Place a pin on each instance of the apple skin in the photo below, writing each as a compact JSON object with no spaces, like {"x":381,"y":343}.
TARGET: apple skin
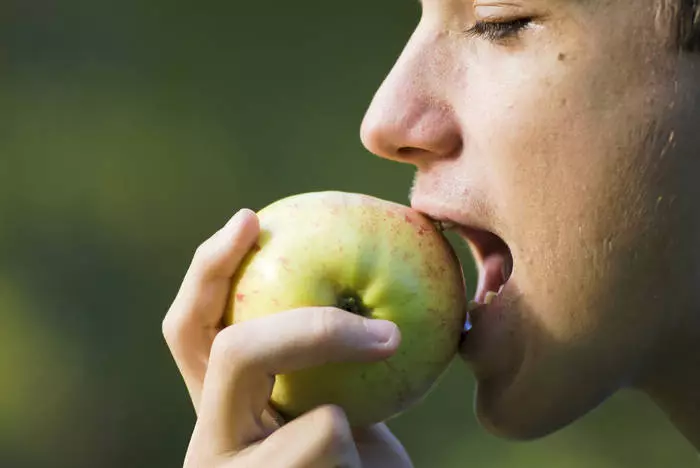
{"x":318,"y":249}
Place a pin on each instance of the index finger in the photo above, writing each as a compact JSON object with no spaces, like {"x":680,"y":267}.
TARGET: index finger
{"x":195,"y":316}
{"x":247,"y":356}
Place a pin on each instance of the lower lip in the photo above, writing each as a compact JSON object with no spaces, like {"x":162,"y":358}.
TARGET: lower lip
{"x":482,"y":327}
{"x":483,"y":323}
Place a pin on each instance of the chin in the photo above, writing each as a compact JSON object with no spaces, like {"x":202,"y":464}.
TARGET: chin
{"x":524,"y":414}
{"x":530,"y":383}
{"x":528,"y":388}
{"x":510,"y":420}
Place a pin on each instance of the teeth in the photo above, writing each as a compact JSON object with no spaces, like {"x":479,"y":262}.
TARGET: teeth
{"x":472,"y":305}
{"x":488,"y":299}
{"x":490,"y":296}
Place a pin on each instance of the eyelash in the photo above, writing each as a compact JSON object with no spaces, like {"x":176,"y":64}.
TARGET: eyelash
{"x":498,"y":31}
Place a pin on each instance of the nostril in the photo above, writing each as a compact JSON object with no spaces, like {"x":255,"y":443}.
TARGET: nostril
{"x":407,"y":151}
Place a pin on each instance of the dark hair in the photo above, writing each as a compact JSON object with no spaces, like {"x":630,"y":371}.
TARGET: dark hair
{"x":689,"y":27}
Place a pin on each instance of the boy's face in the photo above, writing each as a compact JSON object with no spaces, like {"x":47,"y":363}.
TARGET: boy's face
{"x":561,"y":146}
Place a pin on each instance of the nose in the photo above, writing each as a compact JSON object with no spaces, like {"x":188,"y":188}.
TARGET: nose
{"x":410,"y":118}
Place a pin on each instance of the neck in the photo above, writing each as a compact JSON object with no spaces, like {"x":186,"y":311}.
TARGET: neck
{"x":672,"y":380}
{"x":681,"y":402}
{"x":675,"y":384}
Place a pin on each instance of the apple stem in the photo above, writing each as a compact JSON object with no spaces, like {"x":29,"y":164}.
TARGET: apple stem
{"x":352,"y":304}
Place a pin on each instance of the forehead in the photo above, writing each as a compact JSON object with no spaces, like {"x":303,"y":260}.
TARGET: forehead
{"x":536,"y":3}
{"x":663,"y":14}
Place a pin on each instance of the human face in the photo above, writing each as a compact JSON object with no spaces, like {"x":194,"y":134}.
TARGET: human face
{"x":559,"y":146}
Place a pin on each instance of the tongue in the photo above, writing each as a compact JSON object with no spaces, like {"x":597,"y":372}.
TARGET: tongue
{"x":490,"y":276}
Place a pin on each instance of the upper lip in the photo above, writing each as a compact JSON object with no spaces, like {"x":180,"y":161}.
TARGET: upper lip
{"x":466,"y":220}
{"x":483,"y":238}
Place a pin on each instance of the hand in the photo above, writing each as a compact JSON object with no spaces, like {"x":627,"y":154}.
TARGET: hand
{"x":229,"y":372}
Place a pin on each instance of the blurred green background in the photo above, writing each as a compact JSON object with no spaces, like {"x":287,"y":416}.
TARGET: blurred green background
{"x":130,"y":131}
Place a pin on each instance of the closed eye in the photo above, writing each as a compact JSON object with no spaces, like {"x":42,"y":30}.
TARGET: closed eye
{"x":498,"y":31}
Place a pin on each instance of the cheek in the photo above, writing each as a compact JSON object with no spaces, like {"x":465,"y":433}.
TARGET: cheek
{"x":568,"y":168}
{"x":561,"y":147}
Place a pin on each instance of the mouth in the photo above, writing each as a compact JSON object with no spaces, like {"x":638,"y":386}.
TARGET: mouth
{"x":493,"y":258}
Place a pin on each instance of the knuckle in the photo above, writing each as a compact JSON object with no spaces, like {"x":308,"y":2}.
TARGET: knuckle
{"x":335,"y":430}
{"x":229,"y":347}
{"x":171,"y":329}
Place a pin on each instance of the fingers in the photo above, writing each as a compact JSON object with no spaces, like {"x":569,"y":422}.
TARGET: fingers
{"x":245,"y":357}
{"x":195,"y":316}
{"x":377,"y":446}
{"x":319,"y":439}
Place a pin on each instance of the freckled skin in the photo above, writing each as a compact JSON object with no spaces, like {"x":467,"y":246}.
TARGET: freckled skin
{"x":315,"y":250}
{"x":577,"y":143}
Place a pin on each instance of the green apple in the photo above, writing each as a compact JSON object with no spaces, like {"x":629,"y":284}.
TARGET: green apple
{"x":370,"y":257}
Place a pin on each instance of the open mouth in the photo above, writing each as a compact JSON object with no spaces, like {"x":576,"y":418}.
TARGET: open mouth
{"x":493,"y":259}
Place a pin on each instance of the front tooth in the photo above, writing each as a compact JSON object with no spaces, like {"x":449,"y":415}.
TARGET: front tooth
{"x":472,"y":305}
{"x":490,"y":296}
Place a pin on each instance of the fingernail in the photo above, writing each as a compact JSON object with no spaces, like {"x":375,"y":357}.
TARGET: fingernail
{"x":382,"y":330}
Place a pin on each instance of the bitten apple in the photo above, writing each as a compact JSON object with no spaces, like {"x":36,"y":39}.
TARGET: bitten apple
{"x":370,"y":257}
